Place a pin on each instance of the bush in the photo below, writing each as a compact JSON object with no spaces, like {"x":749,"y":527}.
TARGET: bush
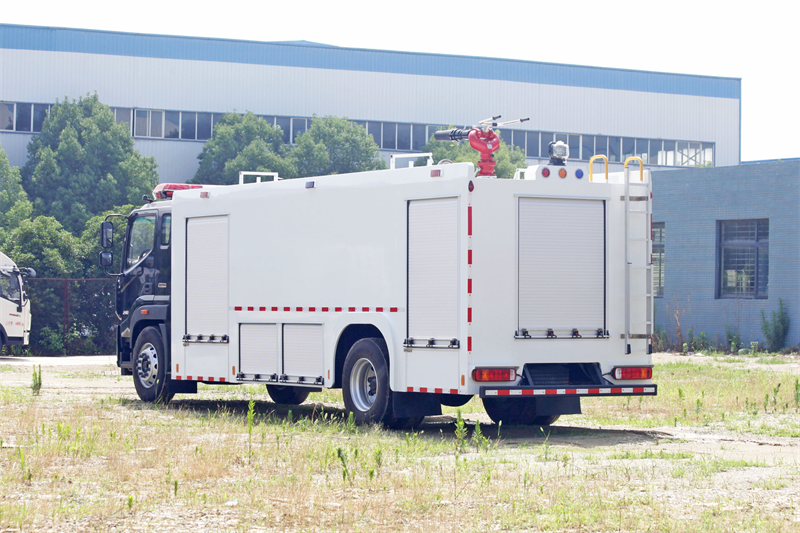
{"x":775,"y":330}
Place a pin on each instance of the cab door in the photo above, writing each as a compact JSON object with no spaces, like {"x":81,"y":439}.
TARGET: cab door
{"x":138,"y":264}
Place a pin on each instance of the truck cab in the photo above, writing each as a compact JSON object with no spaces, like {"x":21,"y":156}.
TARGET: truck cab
{"x":15,"y":307}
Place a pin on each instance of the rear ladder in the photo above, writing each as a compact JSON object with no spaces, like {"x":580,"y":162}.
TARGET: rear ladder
{"x":638,"y":257}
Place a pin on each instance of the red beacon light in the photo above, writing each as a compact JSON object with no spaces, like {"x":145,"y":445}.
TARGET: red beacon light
{"x":164,"y":191}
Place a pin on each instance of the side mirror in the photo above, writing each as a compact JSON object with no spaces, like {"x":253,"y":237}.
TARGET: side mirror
{"x":31,"y":273}
{"x":106,"y":258}
{"x":106,"y":235}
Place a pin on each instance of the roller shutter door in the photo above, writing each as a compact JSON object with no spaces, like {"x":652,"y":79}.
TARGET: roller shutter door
{"x":207,"y":276}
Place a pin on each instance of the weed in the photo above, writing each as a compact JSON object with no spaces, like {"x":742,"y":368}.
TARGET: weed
{"x":130,"y":502}
{"x":797,"y":393}
{"x":478,"y":439}
{"x":27,"y":475}
{"x":36,"y":383}
{"x":775,"y":330}
{"x":250,"y":415}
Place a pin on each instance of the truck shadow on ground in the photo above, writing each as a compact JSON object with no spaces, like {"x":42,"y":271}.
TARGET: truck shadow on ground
{"x":433,"y":427}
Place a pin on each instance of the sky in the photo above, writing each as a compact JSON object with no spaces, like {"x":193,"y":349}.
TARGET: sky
{"x":757,"y":41}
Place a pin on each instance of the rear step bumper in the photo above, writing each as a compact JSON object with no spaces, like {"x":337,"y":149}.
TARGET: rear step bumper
{"x":635,"y":390}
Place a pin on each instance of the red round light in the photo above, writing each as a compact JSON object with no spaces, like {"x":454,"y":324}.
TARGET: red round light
{"x":546,"y":172}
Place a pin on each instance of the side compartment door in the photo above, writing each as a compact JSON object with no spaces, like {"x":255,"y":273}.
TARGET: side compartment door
{"x":206,"y":334}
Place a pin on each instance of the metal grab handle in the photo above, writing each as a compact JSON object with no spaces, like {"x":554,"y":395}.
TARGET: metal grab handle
{"x":591,"y":165}
{"x":641,"y":166}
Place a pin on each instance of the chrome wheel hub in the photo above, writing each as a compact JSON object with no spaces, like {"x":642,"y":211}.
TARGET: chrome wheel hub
{"x":363,"y":385}
{"x":147,"y":365}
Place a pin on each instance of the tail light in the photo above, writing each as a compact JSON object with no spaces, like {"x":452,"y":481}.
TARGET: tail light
{"x":633,"y":372}
{"x":494,"y":374}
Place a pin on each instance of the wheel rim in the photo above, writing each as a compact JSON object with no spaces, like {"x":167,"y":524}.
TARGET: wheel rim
{"x":147,"y":365}
{"x":363,"y":385}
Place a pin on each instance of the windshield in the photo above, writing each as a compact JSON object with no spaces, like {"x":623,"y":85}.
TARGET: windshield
{"x":141,"y":239}
{"x":9,"y":286}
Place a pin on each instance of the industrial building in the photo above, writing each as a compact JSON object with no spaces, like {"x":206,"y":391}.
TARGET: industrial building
{"x":170,"y":90}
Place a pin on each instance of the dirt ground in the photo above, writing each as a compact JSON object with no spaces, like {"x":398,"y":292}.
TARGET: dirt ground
{"x":63,"y":377}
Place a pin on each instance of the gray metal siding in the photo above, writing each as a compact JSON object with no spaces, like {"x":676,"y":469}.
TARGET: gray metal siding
{"x":690,"y":202}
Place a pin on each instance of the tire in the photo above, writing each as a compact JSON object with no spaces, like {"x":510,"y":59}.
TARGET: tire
{"x":516,"y":412}
{"x":365,"y":384}
{"x":455,"y":400}
{"x":150,"y":367}
{"x":287,"y":395}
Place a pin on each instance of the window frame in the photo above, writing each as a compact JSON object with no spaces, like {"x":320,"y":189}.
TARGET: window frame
{"x":658,"y":247}
{"x":739,"y":243}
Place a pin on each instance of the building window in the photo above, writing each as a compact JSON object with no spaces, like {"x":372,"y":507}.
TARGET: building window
{"x":743,"y":258}
{"x":658,"y":259}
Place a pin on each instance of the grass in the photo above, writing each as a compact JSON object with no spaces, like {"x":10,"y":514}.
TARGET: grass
{"x":229,"y":459}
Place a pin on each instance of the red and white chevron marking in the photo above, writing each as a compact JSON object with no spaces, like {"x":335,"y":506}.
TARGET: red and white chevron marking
{"x":432,"y":390}
{"x":199,"y":378}
{"x":570,"y":392}
{"x":314,"y":309}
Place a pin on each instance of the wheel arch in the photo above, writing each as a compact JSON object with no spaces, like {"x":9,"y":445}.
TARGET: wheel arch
{"x":140,"y":325}
{"x":347,"y":338}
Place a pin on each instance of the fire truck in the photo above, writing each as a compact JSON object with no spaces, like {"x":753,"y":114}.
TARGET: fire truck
{"x":408,"y":288}
{"x":15,"y":308}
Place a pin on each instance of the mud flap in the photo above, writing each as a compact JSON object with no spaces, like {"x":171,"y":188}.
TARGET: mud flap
{"x":558,"y":406}
{"x":408,"y":404}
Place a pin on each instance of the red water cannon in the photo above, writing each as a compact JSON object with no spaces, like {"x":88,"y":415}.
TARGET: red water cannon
{"x":481,"y":138}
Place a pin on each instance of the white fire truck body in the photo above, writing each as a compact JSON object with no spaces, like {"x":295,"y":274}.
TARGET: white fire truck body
{"x":15,"y":308}
{"x":535,"y":287}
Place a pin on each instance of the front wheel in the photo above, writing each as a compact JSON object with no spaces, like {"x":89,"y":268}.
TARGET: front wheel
{"x":150,"y":367}
{"x":516,"y":411}
{"x":287,"y":395}
{"x":365,"y":385}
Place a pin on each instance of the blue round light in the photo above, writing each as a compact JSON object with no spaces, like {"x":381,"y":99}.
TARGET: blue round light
{"x":579,"y":173}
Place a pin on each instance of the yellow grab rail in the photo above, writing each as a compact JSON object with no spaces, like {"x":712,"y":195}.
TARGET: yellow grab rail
{"x":641,"y":166}
{"x":591,"y":165}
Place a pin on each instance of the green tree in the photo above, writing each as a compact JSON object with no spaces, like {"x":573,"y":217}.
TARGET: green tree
{"x":42,"y":243}
{"x":334,"y":145}
{"x":14,"y":204}
{"x":242,"y":142}
{"x":508,"y":158}
{"x":83,"y":163}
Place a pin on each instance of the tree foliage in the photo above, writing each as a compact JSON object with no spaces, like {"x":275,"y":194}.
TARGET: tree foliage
{"x":83,"y":163}
{"x":508,"y":158}
{"x":14,"y":204}
{"x":334,"y":145}
{"x":242,"y":142}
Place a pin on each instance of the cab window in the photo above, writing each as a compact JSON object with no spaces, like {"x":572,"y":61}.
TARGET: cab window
{"x":141,"y":238}
{"x":9,"y":286}
{"x":166,"y":227}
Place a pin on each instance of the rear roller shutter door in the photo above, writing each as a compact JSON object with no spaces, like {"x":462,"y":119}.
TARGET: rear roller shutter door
{"x":207,"y":276}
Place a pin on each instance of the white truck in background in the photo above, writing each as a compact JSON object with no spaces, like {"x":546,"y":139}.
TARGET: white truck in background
{"x":407,"y":288}
{"x":15,"y":308}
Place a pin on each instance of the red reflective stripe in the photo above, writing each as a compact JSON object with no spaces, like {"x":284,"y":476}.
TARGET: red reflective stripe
{"x":312,"y":309}
{"x":210,"y":379}
{"x":469,"y":220}
{"x":338,"y":309}
{"x":503,"y":393}
{"x":199,"y":378}
{"x":237,"y":308}
{"x":287,"y":308}
{"x":469,"y":257}
{"x":365,"y":309}
{"x":437,"y":391}
{"x":262,"y":308}
{"x":222,"y":380}
{"x":324,"y":309}
{"x":469,"y":314}
{"x":453,"y":391}
{"x":528,"y":392}
{"x":410,"y":389}
{"x":616,"y":391}
{"x":189,"y":378}
{"x":469,"y":344}
{"x":551,"y":391}
{"x":423,"y":389}
{"x":299,"y":309}
{"x":379,"y":309}
{"x":594,"y":391}
{"x":392,"y":309}
{"x":469,"y":285}
{"x":570,"y":391}
{"x":351,"y":309}
{"x":251,"y":309}
{"x":638,"y":389}
{"x":178,"y":377}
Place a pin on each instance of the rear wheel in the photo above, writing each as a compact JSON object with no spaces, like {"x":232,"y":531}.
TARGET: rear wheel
{"x":515,"y":411}
{"x":287,"y":395}
{"x":365,"y":384}
{"x":150,"y":367}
